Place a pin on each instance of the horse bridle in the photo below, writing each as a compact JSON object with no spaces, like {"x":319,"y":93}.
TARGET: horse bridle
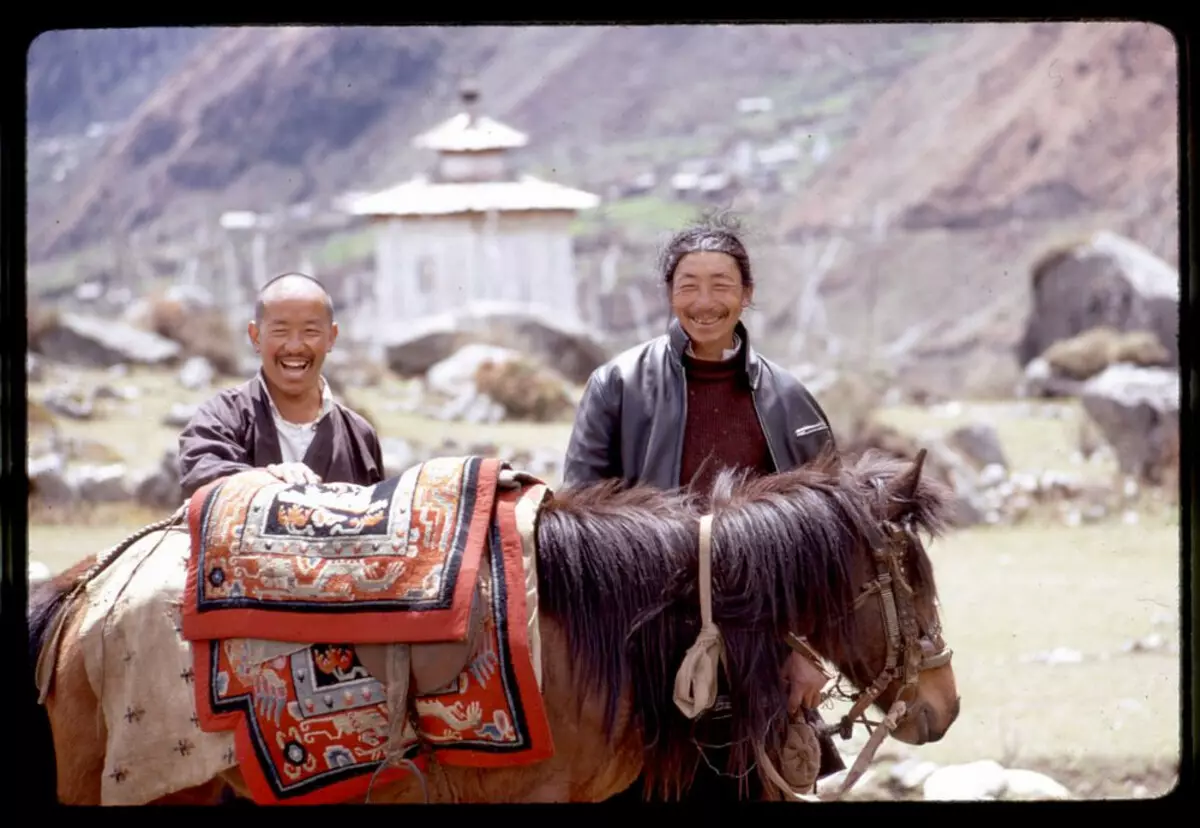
{"x":909,"y":652}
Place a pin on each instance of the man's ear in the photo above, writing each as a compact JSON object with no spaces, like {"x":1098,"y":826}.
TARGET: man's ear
{"x":333,"y":332}
{"x":252,"y":332}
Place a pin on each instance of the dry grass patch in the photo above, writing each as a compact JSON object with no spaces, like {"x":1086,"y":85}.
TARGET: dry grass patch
{"x":1009,"y":594}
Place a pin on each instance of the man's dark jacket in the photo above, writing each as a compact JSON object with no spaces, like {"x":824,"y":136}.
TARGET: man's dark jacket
{"x":629,"y":424}
{"x":235,"y":431}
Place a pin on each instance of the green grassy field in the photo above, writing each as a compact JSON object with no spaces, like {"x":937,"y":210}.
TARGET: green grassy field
{"x":1103,"y":725}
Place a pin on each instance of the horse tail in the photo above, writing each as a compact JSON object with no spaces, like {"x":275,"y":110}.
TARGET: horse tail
{"x":47,"y":601}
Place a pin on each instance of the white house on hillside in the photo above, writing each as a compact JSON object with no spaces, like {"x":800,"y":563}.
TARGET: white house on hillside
{"x":473,"y":230}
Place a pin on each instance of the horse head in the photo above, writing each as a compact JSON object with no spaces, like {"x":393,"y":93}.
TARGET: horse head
{"x":897,"y":652}
{"x":831,"y":554}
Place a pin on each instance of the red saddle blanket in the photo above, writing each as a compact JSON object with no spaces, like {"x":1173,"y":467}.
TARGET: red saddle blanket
{"x":339,"y":565}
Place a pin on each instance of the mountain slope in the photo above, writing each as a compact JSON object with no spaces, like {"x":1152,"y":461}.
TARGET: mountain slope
{"x":1016,"y":122}
{"x":268,"y":116}
{"x":968,"y":168}
{"x":83,"y":76}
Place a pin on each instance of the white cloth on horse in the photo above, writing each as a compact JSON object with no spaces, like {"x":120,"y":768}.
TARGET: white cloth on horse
{"x":141,"y":669}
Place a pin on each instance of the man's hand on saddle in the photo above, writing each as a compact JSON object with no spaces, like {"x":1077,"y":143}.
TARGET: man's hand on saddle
{"x":805,"y":681}
{"x":294,"y":473}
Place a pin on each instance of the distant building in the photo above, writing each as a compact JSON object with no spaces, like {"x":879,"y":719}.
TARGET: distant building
{"x":473,"y":230}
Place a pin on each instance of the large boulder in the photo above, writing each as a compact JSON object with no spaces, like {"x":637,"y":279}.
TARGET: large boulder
{"x":1137,"y":411}
{"x":573,"y":353}
{"x":1106,"y":281}
{"x":103,"y":343}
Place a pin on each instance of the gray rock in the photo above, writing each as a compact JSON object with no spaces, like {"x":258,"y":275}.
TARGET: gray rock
{"x":101,"y":483}
{"x":1026,"y":785}
{"x":1137,"y":411}
{"x":979,"y":443}
{"x":48,"y":479}
{"x":102,"y":343}
{"x":982,"y":780}
{"x":910,"y":774}
{"x":1039,"y":380}
{"x":196,"y":373}
{"x":157,"y":488}
{"x":179,"y":415}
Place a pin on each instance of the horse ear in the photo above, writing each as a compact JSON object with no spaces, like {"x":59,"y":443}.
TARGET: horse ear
{"x":904,"y":487}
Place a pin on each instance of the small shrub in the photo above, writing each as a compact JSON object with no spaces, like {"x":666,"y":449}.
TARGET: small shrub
{"x":1083,"y":356}
{"x":525,"y":390}
{"x":203,"y":332}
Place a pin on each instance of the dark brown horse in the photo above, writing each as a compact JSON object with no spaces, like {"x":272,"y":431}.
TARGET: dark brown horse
{"x":618,"y":606}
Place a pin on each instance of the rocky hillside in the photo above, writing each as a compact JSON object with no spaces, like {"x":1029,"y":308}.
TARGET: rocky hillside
{"x":1029,"y":123}
{"x":1013,"y":141}
{"x":259,"y":116}
{"x":82,"y":77}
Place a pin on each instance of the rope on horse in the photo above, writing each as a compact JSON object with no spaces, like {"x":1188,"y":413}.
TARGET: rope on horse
{"x":696,"y":681}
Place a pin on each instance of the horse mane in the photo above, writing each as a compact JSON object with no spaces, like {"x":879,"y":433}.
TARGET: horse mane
{"x":618,"y":567}
{"x":607,"y":554}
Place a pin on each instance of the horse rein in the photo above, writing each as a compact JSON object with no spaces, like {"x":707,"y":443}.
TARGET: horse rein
{"x":909,"y":652}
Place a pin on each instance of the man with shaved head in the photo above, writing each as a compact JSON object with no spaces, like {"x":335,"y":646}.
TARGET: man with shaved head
{"x":284,"y":419}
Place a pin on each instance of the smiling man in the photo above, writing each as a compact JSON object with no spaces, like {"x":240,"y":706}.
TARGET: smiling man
{"x":284,"y":419}
{"x":676,"y":410}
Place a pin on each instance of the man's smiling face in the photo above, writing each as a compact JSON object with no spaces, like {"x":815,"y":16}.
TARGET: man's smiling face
{"x":707,"y":296}
{"x":293,"y":337}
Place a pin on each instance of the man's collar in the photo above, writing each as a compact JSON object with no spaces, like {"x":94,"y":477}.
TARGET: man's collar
{"x":725,"y":354}
{"x":326,"y":397}
{"x":678,"y":341}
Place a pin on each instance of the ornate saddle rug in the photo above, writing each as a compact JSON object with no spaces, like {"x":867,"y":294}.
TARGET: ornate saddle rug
{"x":311,"y":721}
{"x":372,"y":564}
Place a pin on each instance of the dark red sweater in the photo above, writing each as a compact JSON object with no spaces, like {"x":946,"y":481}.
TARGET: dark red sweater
{"x":722,"y":425}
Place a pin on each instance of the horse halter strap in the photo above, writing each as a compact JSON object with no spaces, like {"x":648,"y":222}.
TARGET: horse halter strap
{"x":908,"y":651}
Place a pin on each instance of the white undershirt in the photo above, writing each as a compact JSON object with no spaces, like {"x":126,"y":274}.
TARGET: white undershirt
{"x":727,"y":353}
{"x":295,"y":438}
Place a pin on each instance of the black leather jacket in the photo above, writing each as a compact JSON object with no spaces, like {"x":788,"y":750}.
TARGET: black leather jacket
{"x":629,"y":424}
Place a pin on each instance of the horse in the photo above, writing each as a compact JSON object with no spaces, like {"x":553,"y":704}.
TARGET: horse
{"x":829,"y":552}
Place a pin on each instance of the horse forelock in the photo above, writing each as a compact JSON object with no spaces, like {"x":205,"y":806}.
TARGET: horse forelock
{"x":928,"y":509}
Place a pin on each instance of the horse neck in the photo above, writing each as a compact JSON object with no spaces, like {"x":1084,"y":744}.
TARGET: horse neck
{"x":601,"y":568}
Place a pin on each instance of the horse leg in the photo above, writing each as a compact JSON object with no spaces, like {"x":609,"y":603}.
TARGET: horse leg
{"x":76,"y":721}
